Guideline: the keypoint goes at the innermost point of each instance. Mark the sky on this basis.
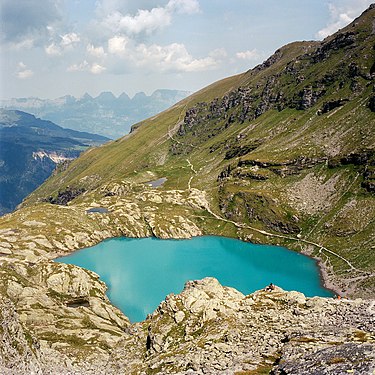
(51, 48)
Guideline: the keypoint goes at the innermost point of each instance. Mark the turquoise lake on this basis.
(141, 272)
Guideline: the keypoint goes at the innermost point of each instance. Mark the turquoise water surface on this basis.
(141, 272)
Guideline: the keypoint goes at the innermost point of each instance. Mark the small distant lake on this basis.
(156, 183)
(141, 272)
(97, 210)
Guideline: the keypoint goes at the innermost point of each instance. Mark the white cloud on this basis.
(97, 69)
(94, 68)
(53, 50)
(183, 6)
(173, 57)
(341, 15)
(22, 45)
(84, 66)
(144, 21)
(95, 51)
(248, 55)
(61, 43)
(23, 72)
(337, 21)
(148, 21)
(117, 45)
(69, 39)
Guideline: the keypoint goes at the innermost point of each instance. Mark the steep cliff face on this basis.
(282, 154)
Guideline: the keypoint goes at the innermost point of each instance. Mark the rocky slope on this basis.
(207, 329)
(281, 154)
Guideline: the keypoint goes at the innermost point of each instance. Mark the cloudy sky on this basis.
(50, 48)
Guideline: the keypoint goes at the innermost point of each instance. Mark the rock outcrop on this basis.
(55, 318)
(64, 197)
(207, 329)
(211, 329)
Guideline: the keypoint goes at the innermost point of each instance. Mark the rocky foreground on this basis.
(56, 319)
(207, 329)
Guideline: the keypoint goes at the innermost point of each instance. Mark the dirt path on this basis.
(297, 239)
(321, 247)
(195, 172)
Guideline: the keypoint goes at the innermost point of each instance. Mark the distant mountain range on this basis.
(105, 114)
(30, 149)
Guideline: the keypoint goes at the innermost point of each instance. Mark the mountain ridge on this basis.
(282, 154)
(30, 149)
(106, 114)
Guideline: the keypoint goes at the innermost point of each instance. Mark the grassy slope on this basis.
(327, 205)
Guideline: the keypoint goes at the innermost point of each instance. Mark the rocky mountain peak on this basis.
(105, 97)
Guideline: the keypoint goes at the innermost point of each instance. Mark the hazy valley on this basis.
(30, 150)
(105, 114)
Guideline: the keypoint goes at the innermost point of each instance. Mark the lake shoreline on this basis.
(327, 277)
(139, 278)
(329, 281)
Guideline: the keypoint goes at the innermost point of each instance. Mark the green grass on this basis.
(293, 143)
